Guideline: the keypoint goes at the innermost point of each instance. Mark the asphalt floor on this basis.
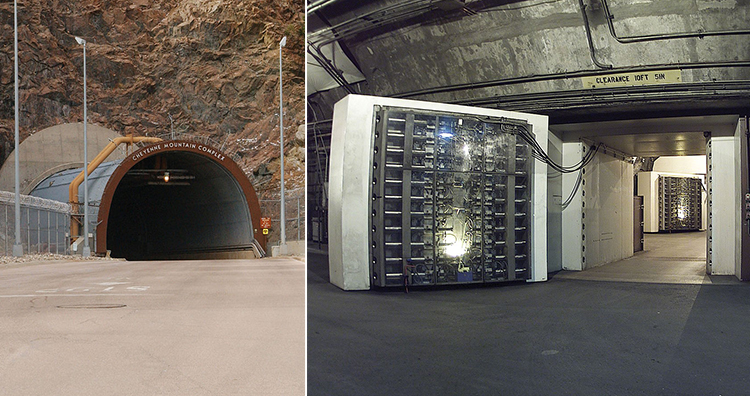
(560, 337)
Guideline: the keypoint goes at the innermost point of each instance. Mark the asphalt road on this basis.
(230, 327)
(561, 337)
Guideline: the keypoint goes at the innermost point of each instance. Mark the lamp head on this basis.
(283, 42)
(80, 41)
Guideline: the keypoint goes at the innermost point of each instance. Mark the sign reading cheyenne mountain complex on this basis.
(632, 79)
(172, 145)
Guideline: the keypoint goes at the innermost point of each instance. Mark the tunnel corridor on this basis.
(177, 203)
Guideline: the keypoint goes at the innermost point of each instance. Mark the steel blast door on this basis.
(637, 224)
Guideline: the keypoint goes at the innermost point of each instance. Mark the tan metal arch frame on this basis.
(201, 149)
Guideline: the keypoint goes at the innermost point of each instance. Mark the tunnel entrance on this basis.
(176, 200)
(685, 171)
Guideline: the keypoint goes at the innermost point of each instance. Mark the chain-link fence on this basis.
(44, 224)
(294, 214)
(318, 162)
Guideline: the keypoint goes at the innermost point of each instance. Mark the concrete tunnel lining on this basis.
(217, 210)
(208, 208)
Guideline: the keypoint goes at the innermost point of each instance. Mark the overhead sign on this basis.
(265, 222)
(177, 144)
(633, 79)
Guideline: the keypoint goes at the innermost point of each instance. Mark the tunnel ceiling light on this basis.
(172, 183)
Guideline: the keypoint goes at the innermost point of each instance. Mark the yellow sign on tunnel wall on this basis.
(632, 79)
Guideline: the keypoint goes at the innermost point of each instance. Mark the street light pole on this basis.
(86, 248)
(282, 245)
(17, 246)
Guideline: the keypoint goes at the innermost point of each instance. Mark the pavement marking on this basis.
(87, 289)
(83, 289)
(84, 295)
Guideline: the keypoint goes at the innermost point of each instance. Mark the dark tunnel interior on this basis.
(177, 203)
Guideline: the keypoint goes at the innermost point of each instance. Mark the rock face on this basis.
(212, 65)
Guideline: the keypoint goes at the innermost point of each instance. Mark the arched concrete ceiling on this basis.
(533, 55)
(52, 150)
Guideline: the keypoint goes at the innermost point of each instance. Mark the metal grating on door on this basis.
(679, 203)
(450, 199)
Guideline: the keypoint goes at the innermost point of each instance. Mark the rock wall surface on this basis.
(210, 65)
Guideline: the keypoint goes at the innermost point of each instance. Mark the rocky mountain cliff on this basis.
(212, 65)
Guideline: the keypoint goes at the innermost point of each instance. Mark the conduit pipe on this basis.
(692, 91)
(108, 149)
(567, 75)
(332, 71)
(318, 5)
(665, 36)
(592, 50)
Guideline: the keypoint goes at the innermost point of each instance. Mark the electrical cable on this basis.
(521, 129)
(579, 179)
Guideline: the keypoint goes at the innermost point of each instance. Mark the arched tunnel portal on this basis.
(177, 199)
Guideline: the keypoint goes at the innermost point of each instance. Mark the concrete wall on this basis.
(54, 149)
(349, 186)
(607, 211)
(554, 206)
(721, 255)
(597, 225)
(689, 164)
(648, 188)
(293, 248)
(516, 39)
(572, 214)
(739, 201)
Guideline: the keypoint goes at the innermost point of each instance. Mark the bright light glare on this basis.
(681, 213)
(466, 149)
(455, 250)
(446, 135)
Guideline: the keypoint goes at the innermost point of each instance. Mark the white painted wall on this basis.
(723, 164)
(348, 192)
(739, 200)
(351, 153)
(607, 211)
(687, 164)
(554, 209)
(648, 188)
(572, 215)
